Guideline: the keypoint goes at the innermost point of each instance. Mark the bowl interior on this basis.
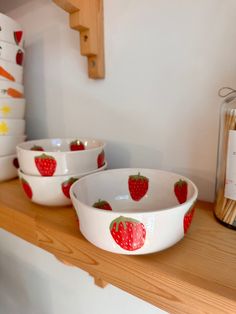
(60, 145)
(125, 191)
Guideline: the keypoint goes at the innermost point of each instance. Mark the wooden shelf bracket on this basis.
(86, 16)
(97, 280)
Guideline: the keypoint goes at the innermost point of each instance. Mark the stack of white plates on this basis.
(12, 101)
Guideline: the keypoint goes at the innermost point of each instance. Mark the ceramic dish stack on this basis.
(12, 102)
(49, 167)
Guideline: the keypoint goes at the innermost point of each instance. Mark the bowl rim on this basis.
(21, 148)
(13, 136)
(20, 172)
(12, 120)
(13, 100)
(17, 47)
(190, 201)
(19, 67)
(11, 83)
(12, 21)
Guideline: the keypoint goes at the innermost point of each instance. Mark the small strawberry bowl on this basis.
(50, 191)
(134, 211)
(56, 157)
(8, 167)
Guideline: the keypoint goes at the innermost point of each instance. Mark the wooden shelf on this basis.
(195, 276)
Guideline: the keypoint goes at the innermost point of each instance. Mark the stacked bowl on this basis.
(49, 167)
(12, 102)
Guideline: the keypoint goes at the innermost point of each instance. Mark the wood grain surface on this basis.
(198, 275)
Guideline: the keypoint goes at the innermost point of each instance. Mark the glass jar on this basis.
(225, 205)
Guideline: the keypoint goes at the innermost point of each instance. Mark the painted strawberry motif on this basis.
(19, 57)
(101, 159)
(181, 191)
(37, 148)
(66, 185)
(45, 164)
(102, 205)
(128, 233)
(77, 145)
(188, 217)
(16, 163)
(18, 36)
(138, 186)
(27, 188)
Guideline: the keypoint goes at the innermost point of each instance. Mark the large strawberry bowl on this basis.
(51, 190)
(57, 157)
(134, 211)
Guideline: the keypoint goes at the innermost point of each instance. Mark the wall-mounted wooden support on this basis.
(86, 16)
(98, 281)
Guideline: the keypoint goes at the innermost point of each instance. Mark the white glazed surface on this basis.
(47, 191)
(159, 210)
(12, 108)
(7, 169)
(12, 127)
(5, 86)
(67, 162)
(8, 27)
(9, 52)
(8, 144)
(15, 70)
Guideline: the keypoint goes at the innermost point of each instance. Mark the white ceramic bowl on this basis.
(55, 158)
(50, 191)
(12, 53)
(10, 30)
(147, 216)
(8, 144)
(9, 89)
(8, 167)
(12, 127)
(10, 71)
(12, 108)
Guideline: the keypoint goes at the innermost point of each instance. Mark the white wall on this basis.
(158, 106)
